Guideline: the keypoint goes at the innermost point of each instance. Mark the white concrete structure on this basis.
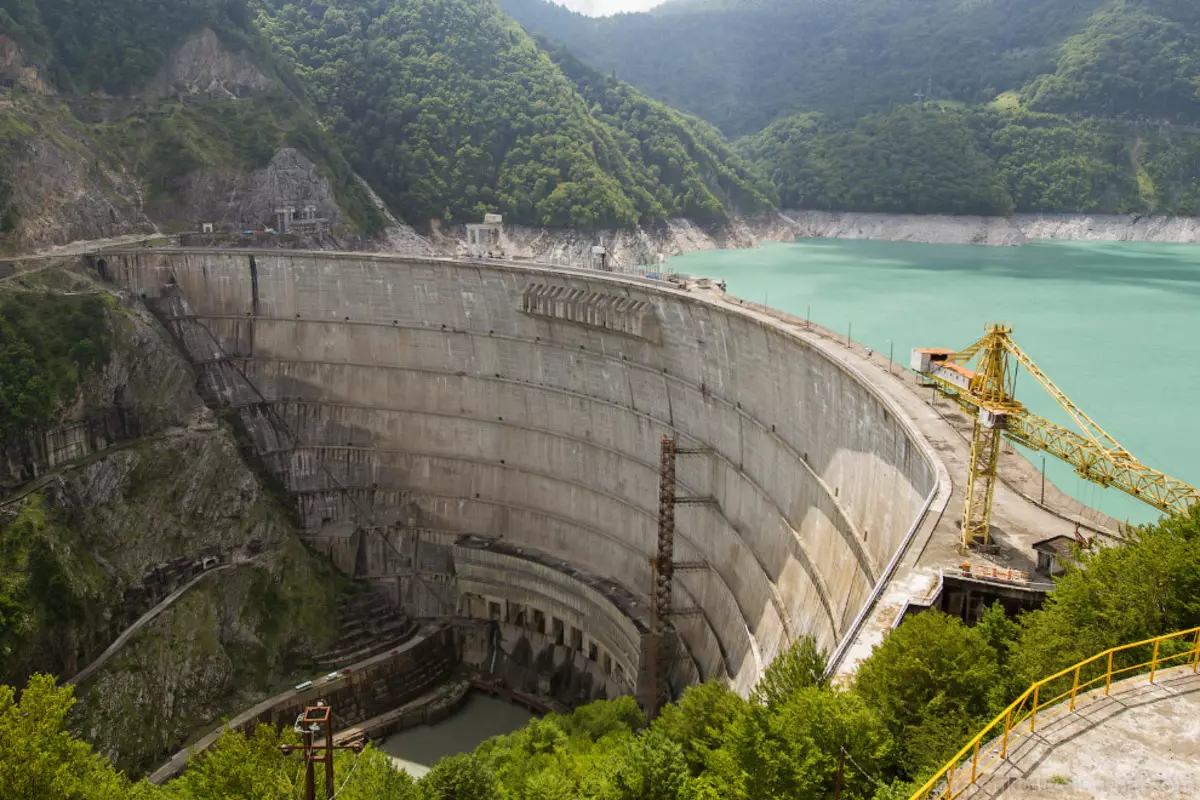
(414, 401)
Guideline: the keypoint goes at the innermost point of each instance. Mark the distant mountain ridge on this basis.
(741, 64)
(928, 106)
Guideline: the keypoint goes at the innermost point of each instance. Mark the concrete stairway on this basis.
(367, 624)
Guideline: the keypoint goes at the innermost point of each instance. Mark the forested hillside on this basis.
(449, 109)
(743, 63)
(947, 106)
(122, 114)
(955, 160)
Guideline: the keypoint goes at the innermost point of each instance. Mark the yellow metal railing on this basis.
(1063, 689)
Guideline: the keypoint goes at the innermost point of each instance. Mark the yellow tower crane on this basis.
(986, 393)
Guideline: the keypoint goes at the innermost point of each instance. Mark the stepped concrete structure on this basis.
(481, 439)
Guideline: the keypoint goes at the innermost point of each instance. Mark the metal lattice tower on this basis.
(664, 645)
(663, 571)
(987, 394)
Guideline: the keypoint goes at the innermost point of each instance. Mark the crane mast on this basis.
(987, 394)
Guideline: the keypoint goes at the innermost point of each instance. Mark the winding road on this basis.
(143, 621)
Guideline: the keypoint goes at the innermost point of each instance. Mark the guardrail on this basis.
(1064, 689)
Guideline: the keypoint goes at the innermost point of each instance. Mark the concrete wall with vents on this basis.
(522, 405)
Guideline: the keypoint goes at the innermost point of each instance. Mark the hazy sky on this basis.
(600, 8)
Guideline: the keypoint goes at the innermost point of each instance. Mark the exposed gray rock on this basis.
(64, 194)
(235, 199)
(202, 66)
(1015, 230)
(627, 247)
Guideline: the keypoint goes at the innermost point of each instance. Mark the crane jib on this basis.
(982, 379)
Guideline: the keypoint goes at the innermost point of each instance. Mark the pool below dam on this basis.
(1112, 323)
(481, 717)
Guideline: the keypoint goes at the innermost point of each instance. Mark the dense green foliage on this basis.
(48, 582)
(47, 343)
(741, 63)
(1137, 59)
(1106, 79)
(993, 161)
(39, 759)
(930, 685)
(450, 110)
(115, 45)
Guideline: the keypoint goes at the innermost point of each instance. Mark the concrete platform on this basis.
(1142, 742)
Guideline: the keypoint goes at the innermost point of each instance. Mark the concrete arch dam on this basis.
(482, 439)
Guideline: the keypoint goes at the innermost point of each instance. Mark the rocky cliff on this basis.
(219, 135)
(101, 528)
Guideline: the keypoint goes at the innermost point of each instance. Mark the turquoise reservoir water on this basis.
(1115, 325)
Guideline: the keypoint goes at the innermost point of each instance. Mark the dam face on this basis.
(483, 439)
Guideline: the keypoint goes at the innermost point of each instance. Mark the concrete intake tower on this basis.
(481, 440)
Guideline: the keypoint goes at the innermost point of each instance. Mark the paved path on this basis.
(142, 622)
(177, 762)
(1142, 742)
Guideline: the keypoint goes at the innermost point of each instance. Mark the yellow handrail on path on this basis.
(991, 745)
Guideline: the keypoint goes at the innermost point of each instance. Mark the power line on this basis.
(353, 767)
(877, 782)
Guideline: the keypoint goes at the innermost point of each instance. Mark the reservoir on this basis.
(1115, 325)
(480, 718)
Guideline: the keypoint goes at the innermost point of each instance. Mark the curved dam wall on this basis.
(415, 401)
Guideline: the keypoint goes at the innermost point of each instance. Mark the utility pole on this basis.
(1043, 480)
(317, 719)
(841, 769)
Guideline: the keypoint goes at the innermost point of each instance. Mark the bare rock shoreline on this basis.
(650, 245)
(999, 231)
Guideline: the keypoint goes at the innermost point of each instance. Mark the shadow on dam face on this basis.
(415, 402)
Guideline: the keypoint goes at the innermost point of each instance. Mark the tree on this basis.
(242, 766)
(933, 682)
(700, 721)
(800, 666)
(792, 749)
(371, 776)
(39, 758)
(647, 767)
(460, 777)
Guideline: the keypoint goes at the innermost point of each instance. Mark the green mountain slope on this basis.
(1037, 105)
(122, 114)
(742, 63)
(449, 109)
(956, 160)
